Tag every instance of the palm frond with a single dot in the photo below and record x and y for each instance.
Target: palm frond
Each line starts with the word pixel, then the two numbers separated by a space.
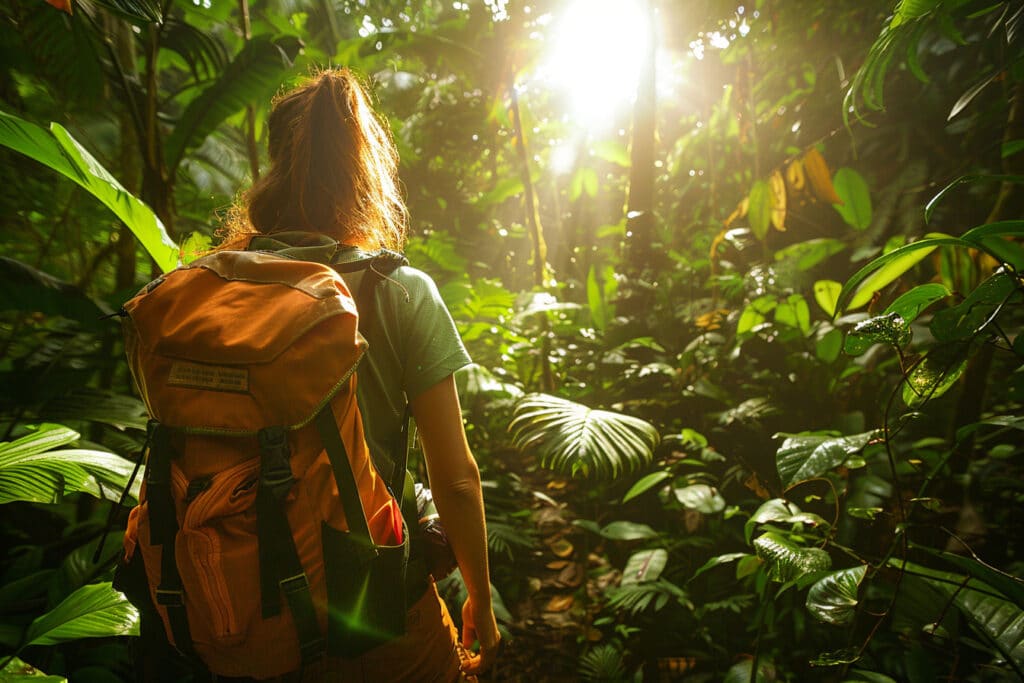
pixel 573 439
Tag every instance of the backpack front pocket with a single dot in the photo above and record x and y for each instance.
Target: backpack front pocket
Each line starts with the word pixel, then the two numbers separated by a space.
pixel 218 557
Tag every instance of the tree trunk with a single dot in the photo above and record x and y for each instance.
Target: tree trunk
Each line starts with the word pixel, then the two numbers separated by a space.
pixel 640 213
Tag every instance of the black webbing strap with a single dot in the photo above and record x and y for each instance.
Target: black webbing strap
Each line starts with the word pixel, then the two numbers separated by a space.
pixel 327 426
pixel 163 531
pixel 280 568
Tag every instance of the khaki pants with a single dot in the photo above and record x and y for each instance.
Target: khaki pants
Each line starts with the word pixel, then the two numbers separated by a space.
pixel 428 652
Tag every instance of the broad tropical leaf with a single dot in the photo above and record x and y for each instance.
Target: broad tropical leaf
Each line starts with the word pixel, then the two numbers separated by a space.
pixel 61 152
pixel 251 78
pixel 117 410
pixel 882 271
pixel 718 560
pixel 853 190
pixel 820 177
pixel 760 208
pixel 910 304
pixel 833 598
pixel 779 510
pixel 787 561
pixel 573 439
pixel 702 498
pixel 985 609
pixel 809 253
pixel 804 457
pixel 826 293
pixel 644 566
pixel 23 288
pixel 93 611
pixel 889 328
pixel 17 671
pixel 937 372
pixel 973 313
pixel 645 484
pixel 29 471
pixel 621 530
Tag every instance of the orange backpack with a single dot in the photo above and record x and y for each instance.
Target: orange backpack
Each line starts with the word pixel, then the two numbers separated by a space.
pixel 267 535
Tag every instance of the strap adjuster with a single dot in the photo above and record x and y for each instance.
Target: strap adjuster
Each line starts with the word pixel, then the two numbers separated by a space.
pixel 275 470
pixel 294 584
pixel 170 598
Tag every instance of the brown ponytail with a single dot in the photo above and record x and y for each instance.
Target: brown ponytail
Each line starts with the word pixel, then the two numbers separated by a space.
pixel 333 169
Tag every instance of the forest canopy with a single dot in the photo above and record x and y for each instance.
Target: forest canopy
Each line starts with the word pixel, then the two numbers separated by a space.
pixel 739 282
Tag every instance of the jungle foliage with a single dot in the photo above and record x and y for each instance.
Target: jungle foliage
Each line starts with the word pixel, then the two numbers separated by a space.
pixel 748 383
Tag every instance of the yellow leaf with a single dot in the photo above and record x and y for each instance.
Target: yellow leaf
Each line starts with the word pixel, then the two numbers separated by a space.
pixel 739 212
pixel 561 548
pixel 778 187
pixel 557 564
pixel 820 177
pixel 559 603
pixel 712 320
pixel 795 175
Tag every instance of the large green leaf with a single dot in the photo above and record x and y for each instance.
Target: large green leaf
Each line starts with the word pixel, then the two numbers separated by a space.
pixel 61 152
pixel 644 566
pixel 760 211
pixel 853 190
pixel 779 510
pixel 1010 586
pixel 621 530
pixel 787 561
pixel 833 598
pixel 803 457
pixel 702 498
pixel 23 288
pixel 988 612
pixel 573 439
pixel 252 77
pixel 863 284
pixel 29 471
pixel 645 484
pixel 910 304
pixel 936 373
pixel 809 253
pixel 17 671
pixel 93 611
pixel 973 313
pixel 888 328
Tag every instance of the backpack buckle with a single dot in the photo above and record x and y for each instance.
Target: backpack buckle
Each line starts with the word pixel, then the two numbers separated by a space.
pixel 275 471
pixel 170 598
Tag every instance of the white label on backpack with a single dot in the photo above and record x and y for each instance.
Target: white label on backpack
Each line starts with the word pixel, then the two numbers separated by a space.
pixel 211 377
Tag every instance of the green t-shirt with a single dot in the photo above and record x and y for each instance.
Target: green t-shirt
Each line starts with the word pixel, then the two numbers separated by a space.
pixel 413 342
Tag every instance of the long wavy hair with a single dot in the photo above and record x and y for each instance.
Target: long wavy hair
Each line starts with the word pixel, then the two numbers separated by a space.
pixel 333 170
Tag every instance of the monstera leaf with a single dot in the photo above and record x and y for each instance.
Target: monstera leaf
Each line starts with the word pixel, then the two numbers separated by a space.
pixel 573 439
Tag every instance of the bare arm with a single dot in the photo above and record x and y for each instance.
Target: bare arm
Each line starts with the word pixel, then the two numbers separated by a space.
pixel 455 483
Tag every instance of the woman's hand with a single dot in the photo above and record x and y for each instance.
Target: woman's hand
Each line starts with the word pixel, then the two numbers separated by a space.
pixel 481 628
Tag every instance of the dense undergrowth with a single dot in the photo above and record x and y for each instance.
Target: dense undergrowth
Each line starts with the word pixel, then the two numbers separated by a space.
pixel 747 394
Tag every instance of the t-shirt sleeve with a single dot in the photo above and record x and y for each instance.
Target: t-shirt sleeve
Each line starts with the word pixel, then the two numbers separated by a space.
pixel 431 343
